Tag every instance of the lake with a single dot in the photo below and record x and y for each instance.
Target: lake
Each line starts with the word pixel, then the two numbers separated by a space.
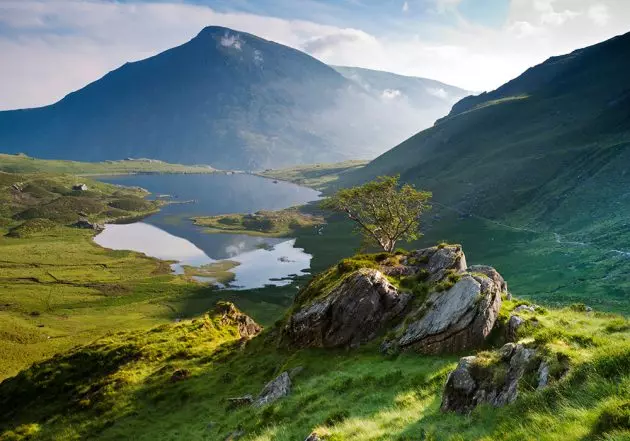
pixel 170 235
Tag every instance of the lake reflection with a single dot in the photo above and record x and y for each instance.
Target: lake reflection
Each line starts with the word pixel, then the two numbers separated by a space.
pixel 170 235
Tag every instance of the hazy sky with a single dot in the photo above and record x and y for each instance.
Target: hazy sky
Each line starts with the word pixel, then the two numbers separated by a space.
pixel 49 48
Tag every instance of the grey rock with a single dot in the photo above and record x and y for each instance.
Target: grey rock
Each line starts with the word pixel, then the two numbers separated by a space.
pixel 274 390
pixel 313 437
pixel 470 384
pixel 353 313
pixel 236 402
pixel 295 371
pixel 543 375
pixel 514 323
pixel 492 274
pixel 440 260
pixel 455 320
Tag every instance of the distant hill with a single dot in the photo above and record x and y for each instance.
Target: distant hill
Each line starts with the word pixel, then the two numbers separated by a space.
pixel 426 97
pixel 225 98
pixel 549 149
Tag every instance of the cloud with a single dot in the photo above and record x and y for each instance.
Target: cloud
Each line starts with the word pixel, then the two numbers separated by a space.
pixel 336 40
pixel 442 6
pixel 405 7
pixel 231 40
pixel 390 94
pixel 438 92
pixel 549 15
pixel 600 14
pixel 57 47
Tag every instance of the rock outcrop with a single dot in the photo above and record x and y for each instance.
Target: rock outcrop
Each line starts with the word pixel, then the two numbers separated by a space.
pixel 247 327
pixel 476 381
pixel 274 390
pixel 457 313
pixel 454 320
pixel 514 322
pixel 439 260
pixel 85 223
pixel 353 313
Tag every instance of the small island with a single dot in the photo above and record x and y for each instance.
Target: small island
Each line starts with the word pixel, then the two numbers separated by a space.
pixel 216 272
pixel 279 223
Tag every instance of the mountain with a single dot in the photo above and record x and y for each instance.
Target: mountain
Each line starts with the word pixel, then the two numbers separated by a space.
pixel 426 97
pixel 550 149
pixel 226 98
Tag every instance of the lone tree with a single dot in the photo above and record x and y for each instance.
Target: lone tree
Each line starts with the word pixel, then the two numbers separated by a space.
pixel 385 212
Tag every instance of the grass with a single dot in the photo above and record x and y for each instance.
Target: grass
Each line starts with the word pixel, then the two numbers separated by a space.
pixel 317 176
pixel 173 382
pixel 147 371
pixel 281 223
pixel 58 289
pixel 21 163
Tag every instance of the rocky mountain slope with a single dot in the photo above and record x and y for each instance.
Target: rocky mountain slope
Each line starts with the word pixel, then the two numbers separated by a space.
pixel 225 98
pixel 535 373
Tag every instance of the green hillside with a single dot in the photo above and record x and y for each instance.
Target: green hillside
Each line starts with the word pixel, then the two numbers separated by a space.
pixel 540 163
pixel 175 382
pixel 59 289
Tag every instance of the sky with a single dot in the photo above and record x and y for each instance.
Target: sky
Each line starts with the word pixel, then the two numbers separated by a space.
pixel 49 48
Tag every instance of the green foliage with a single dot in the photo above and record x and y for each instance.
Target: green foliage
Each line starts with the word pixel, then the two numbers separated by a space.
pixel 384 211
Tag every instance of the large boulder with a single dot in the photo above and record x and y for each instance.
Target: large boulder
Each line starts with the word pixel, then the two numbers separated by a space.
pixel 247 327
pixel 476 381
pixel 353 313
pixel 439 260
pixel 492 274
pixel 454 308
pixel 454 320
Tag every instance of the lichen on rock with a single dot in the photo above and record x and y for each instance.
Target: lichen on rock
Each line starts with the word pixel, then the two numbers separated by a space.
pixel 493 379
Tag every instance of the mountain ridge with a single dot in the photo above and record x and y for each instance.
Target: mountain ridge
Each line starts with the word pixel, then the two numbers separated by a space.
pixel 227 98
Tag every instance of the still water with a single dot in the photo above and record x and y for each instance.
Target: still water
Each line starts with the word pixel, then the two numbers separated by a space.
pixel 170 235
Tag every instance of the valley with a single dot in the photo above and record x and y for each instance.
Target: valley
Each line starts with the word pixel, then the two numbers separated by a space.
pixel 301 279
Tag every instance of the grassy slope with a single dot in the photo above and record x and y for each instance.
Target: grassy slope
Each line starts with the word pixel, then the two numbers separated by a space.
pixel 317 176
pixel 537 170
pixel 25 164
pixel 121 387
pixel 58 289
